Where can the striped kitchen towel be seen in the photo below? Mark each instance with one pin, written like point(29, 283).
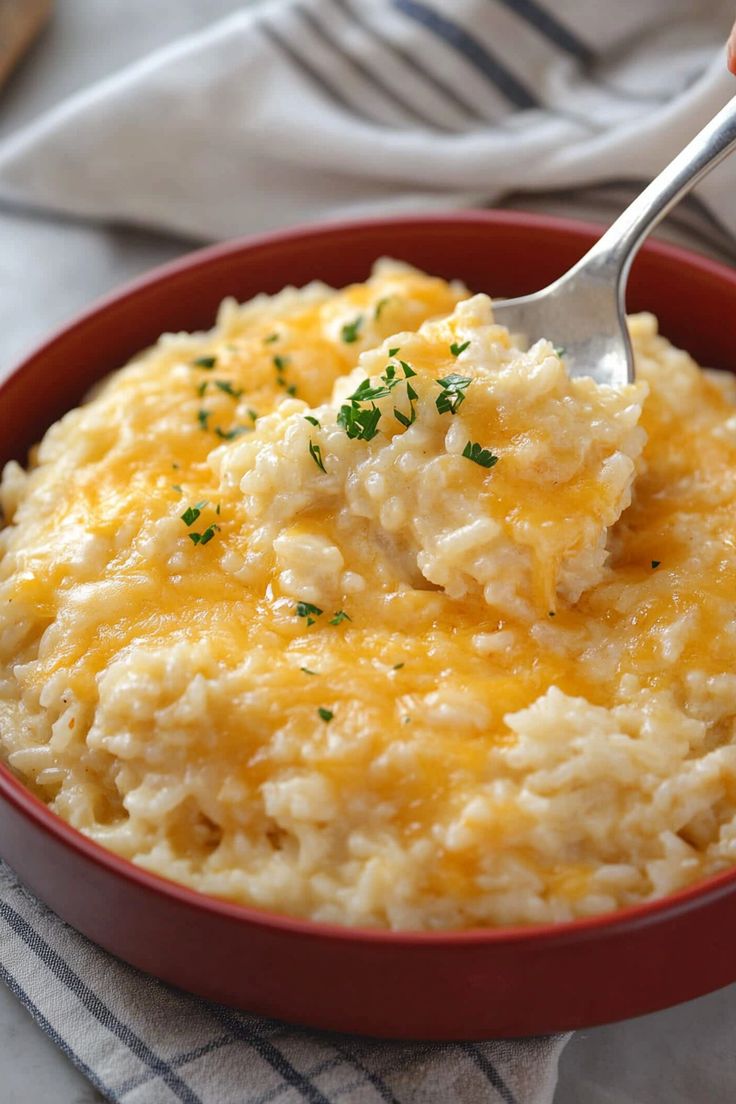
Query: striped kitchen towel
point(299, 110)
point(140, 1042)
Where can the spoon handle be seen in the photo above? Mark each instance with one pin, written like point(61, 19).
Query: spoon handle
point(613, 253)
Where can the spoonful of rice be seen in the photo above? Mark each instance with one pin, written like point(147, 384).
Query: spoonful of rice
point(583, 312)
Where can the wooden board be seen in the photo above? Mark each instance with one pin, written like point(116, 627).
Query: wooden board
point(20, 22)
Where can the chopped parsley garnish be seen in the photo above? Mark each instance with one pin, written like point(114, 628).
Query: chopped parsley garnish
point(191, 513)
point(270, 339)
point(252, 414)
point(316, 453)
point(655, 563)
point(380, 305)
point(217, 509)
point(291, 390)
point(349, 332)
point(560, 350)
point(457, 349)
point(280, 363)
point(202, 388)
point(309, 418)
point(475, 452)
point(325, 714)
point(202, 417)
point(397, 666)
point(206, 362)
point(307, 671)
point(231, 434)
point(339, 617)
point(453, 391)
point(362, 424)
point(364, 392)
point(227, 387)
point(177, 487)
point(394, 351)
point(209, 533)
point(175, 467)
point(306, 609)
point(206, 537)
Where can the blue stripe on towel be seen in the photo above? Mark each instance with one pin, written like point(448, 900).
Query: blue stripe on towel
point(471, 49)
point(240, 1029)
point(411, 62)
point(333, 43)
point(93, 1004)
point(35, 1012)
point(489, 1071)
point(549, 26)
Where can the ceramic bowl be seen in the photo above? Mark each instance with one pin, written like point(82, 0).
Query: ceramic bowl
point(449, 985)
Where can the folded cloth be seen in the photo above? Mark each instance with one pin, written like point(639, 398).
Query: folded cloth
point(298, 110)
point(141, 1042)
point(313, 109)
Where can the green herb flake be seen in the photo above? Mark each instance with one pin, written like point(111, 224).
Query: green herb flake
point(203, 417)
point(195, 538)
point(306, 609)
point(394, 351)
point(281, 363)
point(551, 613)
point(339, 617)
point(457, 349)
point(397, 666)
point(191, 513)
point(175, 467)
point(475, 452)
point(307, 671)
point(325, 714)
point(349, 332)
point(560, 350)
point(291, 390)
point(231, 434)
point(309, 418)
point(206, 362)
point(209, 534)
point(217, 509)
point(252, 414)
point(202, 388)
point(357, 423)
point(227, 388)
point(270, 339)
point(380, 305)
point(177, 487)
point(316, 453)
point(655, 563)
point(452, 394)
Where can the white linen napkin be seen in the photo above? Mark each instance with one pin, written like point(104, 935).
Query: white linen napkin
point(301, 110)
point(305, 110)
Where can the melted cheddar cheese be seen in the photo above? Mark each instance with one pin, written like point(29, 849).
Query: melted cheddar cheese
point(456, 653)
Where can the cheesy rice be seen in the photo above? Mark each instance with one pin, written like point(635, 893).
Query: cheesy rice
point(355, 609)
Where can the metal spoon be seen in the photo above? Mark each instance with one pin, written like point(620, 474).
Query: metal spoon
point(584, 311)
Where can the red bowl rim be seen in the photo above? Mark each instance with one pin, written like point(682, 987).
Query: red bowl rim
point(32, 808)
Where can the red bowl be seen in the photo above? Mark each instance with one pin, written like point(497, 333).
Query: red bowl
point(450, 985)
